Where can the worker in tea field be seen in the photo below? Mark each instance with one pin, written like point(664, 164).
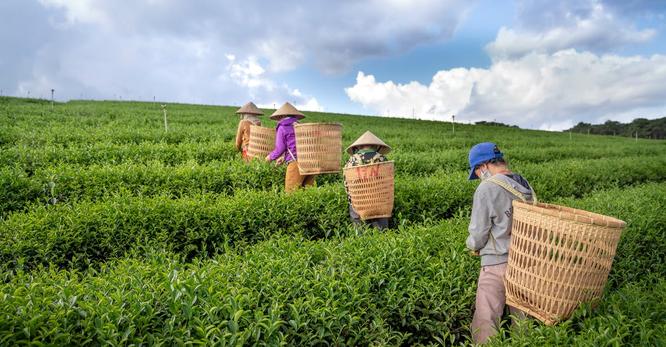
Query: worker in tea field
point(285, 147)
point(367, 149)
point(490, 232)
point(249, 114)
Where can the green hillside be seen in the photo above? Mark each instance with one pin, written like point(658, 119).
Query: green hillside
point(113, 231)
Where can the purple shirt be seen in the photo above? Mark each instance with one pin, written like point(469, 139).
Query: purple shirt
point(285, 138)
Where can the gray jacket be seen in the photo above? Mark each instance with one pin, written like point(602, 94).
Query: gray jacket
point(490, 225)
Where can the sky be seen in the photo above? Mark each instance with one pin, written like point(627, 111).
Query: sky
point(537, 64)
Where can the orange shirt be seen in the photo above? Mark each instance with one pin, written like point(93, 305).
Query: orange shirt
point(243, 134)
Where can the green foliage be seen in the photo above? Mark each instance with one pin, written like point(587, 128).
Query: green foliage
point(411, 286)
point(89, 232)
point(115, 232)
point(376, 289)
point(62, 184)
point(496, 124)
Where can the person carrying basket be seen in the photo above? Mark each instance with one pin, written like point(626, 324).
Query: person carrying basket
point(249, 115)
point(285, 147)
point(490, 233)
point(367, 149)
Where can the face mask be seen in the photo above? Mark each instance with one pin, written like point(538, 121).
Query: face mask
point(485, 174)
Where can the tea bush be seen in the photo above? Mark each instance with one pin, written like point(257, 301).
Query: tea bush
point(31, 159)
point(411, 286)
point(113, 231)
point(61, 184)
point(89, 232)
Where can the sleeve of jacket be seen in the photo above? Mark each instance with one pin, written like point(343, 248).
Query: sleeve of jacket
point(280, 145)
point(239, 135)
point(481, 220)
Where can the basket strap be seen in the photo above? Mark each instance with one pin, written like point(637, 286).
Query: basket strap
point(292, 154)
point(534, 196)
point(513, 190)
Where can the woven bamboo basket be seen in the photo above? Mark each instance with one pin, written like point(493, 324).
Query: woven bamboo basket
point(262, 141)
point(318, 147)
point(559, 257)
point(370, 188)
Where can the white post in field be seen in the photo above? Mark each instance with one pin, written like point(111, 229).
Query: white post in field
point(166, 127)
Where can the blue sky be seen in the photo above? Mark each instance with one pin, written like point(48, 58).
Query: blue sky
point(464, 49)
point(534, 63)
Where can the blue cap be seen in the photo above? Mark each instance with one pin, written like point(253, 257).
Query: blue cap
point(480, 154)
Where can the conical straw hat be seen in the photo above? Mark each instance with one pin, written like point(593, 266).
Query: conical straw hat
point(250, 108)
point(287, 110)
point(369, 139)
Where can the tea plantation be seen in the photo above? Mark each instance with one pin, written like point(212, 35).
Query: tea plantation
point(115, 232)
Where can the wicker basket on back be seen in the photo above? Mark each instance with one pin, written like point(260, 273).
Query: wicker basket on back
point(559, 257)
point(262, 141)
point(370, 188)
point(318, 147)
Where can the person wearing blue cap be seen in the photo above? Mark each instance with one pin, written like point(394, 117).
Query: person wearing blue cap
point(490, 232)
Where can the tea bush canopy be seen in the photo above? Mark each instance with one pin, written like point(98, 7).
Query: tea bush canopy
point(113, 231)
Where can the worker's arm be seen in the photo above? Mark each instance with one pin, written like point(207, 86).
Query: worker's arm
point(280, 145)
point(481, 221)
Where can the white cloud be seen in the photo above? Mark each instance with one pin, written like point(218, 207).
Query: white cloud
point(585, 25)
point(556, 67)
point(551, 91)
point(331, 35)
point(212, 51)
point(79, 11)
point(310, 105)
point(448, 93)
point(250, 74)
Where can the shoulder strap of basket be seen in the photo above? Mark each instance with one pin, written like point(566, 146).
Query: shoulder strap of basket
point(513, 190)
point(292, 154)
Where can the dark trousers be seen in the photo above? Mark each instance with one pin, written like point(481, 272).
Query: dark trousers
point(379, 223)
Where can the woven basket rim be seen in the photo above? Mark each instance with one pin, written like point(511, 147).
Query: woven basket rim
point(571, 214)
point(372, 164)
point(548, 319)
point(298, 125)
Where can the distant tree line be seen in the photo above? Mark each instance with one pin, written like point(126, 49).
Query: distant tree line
point(646, 128)
point(495, 124)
